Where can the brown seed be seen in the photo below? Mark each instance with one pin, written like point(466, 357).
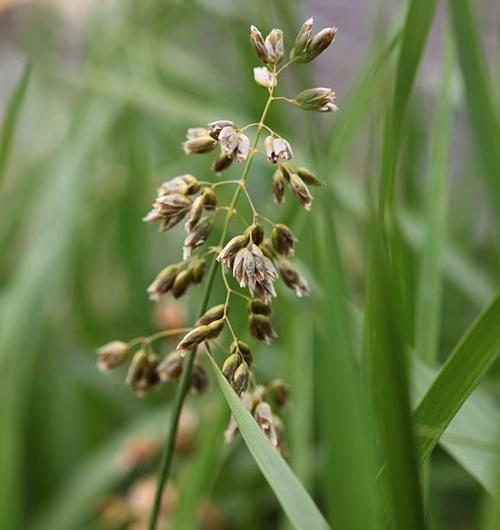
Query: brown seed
point(240, 378)
point(293, 279)
point(243, 349)
point(280, 392)
point(232, 247)
point(214, 313)
point(111, 355)
point(171, 366)
point(301, 191)
point(230, 365)
point(200, 145)
point(257, 307)
point(258, 44)
point(209, 199)
point(283, 240)
point(221, 163)
point(256, 232)
point(197, 270)
point(308, 177)
point(260, 327)
point(215, 328)
point(199, 379)
point(181, 283)
point(278, 186)
point(193, 338)
point(142, 375)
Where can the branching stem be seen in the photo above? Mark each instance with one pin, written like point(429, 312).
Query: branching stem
point(168, 452)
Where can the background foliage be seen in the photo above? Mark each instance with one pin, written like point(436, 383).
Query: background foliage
point(401, 249)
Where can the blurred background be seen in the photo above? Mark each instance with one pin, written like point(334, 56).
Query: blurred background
point(95, 98)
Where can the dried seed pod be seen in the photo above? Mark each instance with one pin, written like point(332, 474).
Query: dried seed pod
point(199, 379)
point(278, 186)
point(243, 149)
point(193, 338)
point(277, 149)
point(283, 240)
point(258, 43)
point(260, 327)
point(170, 367)
point(268, 250)
point(197, 236)
point(256, 233)
point(194, 214)
point(230, 365)
point(294, 279)
point(163, 282)
point(170, 222)
point(308, 177)
point(264, 417)
point(258, 307)
point(320, 42)
point(209, 199)
point(214, 313)
point(184, 184)
point(302, 40)
point(320, 99)
point(240, 378)
point(142, 375)
point(301, 191)
point(181, 283)
point(274, 46)
point(215, 328)
point(215, 127)
point(243, 349)
point(264, 77)
point(199, 145)
point(197, 270)
point(280, 392)
point(111, 355)
point(228, 140)
point(222, 162)
point(232, 247)
point(264, 290)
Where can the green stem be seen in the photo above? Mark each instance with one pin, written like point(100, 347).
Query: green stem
point(168, 452)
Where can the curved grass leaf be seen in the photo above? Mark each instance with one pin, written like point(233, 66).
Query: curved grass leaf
point(458, 377)
point(480, 104)
point(418, 20)
point(12, 115)
point(296, 502)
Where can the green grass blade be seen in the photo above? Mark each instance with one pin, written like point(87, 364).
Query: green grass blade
point(479, 99)
point(458, 377)
point(428, 315)
point(293, 497)
point(12, 116)
point(343, 422)
point(203, 472)
point(94, 477)
point(418, 20)
point(386, 357)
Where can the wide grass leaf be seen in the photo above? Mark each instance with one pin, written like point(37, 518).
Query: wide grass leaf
point(457, 379)
point(296, 502)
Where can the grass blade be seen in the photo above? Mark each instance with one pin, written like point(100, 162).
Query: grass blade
point(418, 20)
point(294, 499)
point(480, 104)
point(344, 427)
point(386, 356)
point(458, 377)
point(12, 116)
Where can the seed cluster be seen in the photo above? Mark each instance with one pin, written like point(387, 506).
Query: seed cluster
point(251, 261)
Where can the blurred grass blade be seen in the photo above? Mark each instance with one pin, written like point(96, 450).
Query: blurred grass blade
point(293, 497)
point(349, 470)
point(203, 471)
point(386, 356)
point(479, 99)
point(416, 29)
point(12, 116)
point(457, 379)
point(95, 476)
point(428, 313)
